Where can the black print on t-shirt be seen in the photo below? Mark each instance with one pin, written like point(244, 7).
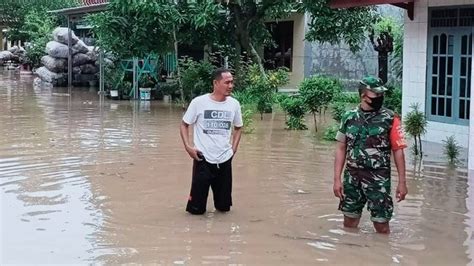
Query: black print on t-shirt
point(217, 122)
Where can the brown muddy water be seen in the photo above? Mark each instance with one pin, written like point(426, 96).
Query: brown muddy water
point(85, 180)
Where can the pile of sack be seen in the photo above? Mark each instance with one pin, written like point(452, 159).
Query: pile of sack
point(85, 59)
point(15, 54)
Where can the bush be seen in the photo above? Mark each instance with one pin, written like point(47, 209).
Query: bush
point(347, 97)
point(415, 125)
point(393, 99)
point(338, 110)
point(451, 150)
point(247, 116)
point(330, 132)
point(295, 108)
point(318, 92)
point(38, 25)
point(195, 77)
point(263, 88)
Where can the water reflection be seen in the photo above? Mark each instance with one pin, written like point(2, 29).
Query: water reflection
point(87, 180)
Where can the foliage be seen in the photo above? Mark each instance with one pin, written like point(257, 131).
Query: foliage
point(415, 125)
point(264, 87)
point(38, 26)
point(146, 81)
point(451, 150)
point(347, 97)
point(338, 110)
point(247, 116)
point(15, 14)
point(200, 22)
point(318, 92)
point(294, 106)
point(330, 132)
point(136, 28)
point(245, 97)
point(336, 25)
point(247, 101)
point(393, 99)
point(195, 77)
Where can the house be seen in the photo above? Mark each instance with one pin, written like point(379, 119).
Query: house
point(437, 65)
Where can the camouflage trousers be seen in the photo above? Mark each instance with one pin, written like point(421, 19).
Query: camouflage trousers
point(371, 186)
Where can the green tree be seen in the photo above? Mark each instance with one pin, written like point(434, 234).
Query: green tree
point(38, 27)
point(336, 25)
point(317, 93)
point(15, 13)
point(135, 28)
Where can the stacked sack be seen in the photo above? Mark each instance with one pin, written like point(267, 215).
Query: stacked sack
point(55, 63)
point(15, 54)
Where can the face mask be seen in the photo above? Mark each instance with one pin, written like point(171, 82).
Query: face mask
point(376, 102)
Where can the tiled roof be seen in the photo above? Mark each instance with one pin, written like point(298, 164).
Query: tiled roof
point(92, 2)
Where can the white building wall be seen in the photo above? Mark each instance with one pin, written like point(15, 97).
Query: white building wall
point(414, 71)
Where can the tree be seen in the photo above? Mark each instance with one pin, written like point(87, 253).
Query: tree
point(38, 27)
point(16, 11)
point(327, 25)
point(136, 28)
point(336, 25)
point(317, 93)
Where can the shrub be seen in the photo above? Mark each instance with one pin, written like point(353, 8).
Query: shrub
point(263, 88)
point(330, 132)
point(195, 77)
point(451, 150)
point(294, 107)
point(393, 99)
point(338, 110)
point(318, 92)
point(415, 125)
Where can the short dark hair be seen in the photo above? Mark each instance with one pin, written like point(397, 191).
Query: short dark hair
point(217, 73)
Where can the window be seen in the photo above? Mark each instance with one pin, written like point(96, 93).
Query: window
point(280, 53)
point(449, 65)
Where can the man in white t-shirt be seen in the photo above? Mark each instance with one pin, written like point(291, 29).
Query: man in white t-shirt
point(213, 117)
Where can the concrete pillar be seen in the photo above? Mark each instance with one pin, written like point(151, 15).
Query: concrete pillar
point(1, 39)
point(471, 125)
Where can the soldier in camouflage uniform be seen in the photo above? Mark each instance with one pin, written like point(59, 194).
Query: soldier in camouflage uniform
point(366, 138)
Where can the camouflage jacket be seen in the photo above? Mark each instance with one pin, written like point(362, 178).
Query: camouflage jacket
point(367, 138)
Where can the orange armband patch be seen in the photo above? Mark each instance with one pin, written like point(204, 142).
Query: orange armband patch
point(397, 137)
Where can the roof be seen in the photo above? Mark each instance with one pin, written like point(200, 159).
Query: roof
point(85, 7)
point(357, 3)
point(409, 5)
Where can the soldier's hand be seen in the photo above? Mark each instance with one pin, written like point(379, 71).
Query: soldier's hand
point(338, 190)
point(401, 191)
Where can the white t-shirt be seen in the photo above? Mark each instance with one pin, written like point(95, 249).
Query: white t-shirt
point(213, 122)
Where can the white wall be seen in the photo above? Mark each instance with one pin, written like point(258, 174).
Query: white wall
point(414, 70)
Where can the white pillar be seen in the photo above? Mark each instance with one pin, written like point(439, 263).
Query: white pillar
point(471, 125)
point(470, 177)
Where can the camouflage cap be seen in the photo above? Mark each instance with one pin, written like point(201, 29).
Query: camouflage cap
point(373, 83)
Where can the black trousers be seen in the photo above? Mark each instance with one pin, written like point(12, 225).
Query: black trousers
point(219, 178)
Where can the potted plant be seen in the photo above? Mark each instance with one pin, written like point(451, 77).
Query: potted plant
point(113, 81)
point(145, 84)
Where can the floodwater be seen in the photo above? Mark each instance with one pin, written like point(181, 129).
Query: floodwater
point(85, 180)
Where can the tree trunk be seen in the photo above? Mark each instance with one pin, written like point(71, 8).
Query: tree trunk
point(242, 32)
point(315, 122)
point(180, 85)
point(421, 147)
point(383, 66)
point(416, 147)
